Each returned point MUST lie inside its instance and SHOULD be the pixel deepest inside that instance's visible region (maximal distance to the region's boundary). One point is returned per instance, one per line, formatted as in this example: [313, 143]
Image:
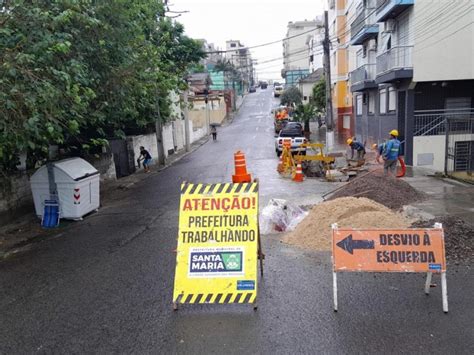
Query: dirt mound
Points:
[390, 192]
[458, 238]
[314, 232]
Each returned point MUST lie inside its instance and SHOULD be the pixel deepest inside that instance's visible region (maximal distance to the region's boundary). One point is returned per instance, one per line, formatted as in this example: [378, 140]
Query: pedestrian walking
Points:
[356, 147]
[214, 133]
[390, 156]
[146, 158]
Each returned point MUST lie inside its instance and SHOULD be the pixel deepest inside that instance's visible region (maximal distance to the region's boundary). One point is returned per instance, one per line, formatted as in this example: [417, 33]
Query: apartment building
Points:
[414, 72]
[241, 58]
[315, 47]
[296, 62]
[339, 35]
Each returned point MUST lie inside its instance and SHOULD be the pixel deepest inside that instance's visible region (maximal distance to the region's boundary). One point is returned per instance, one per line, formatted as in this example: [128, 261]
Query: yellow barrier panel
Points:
[216, 258]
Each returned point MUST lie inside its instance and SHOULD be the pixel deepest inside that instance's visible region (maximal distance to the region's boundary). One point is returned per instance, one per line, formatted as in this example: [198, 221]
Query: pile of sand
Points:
[390, 192]
[314, 232]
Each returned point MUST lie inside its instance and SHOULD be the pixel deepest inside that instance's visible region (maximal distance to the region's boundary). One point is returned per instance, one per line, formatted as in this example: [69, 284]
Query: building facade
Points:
[295, 50]
[241, 58]
[339, 36]
[414, 72]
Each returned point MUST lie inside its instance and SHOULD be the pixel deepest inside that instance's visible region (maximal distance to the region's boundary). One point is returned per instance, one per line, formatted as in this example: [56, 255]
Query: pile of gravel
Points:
[458, 238]
[314, 232]
[388, 191]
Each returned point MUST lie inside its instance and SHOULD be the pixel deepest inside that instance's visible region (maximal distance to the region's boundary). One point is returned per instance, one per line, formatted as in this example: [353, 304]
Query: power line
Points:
[443, 38]
[264, 44]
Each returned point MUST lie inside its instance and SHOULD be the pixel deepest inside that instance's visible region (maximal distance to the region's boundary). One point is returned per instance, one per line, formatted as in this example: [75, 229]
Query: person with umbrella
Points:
[214, 132]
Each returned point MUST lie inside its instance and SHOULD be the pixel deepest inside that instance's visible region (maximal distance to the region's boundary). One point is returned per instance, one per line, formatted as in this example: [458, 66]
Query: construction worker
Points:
[390, 155]
[356, 146]
[379, 149]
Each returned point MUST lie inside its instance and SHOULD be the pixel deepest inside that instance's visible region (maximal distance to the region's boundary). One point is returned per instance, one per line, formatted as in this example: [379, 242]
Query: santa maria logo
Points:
[216, 262]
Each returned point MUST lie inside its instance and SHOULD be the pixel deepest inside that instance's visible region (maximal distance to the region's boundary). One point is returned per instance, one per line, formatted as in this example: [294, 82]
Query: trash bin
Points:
[78, 188]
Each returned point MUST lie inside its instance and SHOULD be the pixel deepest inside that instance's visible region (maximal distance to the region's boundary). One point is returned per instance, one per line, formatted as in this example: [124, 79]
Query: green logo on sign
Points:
[232, 261]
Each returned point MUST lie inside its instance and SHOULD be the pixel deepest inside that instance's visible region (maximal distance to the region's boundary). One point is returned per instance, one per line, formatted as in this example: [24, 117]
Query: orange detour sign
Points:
[397, 250]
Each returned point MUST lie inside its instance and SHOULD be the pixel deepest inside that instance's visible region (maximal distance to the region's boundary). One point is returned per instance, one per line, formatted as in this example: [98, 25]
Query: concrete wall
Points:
[426, 148]
[105, 165]
[423, 146]
[168, 142]
[444, 43]
[15, 194]
[148, 141]
[196, 133]
[217, 108]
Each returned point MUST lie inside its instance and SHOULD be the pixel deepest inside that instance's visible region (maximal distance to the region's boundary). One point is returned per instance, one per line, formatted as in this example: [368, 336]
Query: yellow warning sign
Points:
[216, 258]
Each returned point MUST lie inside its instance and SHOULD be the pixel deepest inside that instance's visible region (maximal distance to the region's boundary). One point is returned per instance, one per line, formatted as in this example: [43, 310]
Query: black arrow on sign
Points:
[349, 244]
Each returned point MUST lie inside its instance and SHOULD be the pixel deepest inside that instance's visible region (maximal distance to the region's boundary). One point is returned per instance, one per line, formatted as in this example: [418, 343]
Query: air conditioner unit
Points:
[389, 25]
[372, 45]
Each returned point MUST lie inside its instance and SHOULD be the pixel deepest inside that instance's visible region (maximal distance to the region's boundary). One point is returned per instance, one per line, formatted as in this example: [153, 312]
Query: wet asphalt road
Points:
[105, 284]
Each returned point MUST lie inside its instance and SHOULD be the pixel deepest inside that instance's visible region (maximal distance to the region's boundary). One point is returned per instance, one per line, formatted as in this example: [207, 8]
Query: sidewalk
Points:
[25, 230]
[445, 196]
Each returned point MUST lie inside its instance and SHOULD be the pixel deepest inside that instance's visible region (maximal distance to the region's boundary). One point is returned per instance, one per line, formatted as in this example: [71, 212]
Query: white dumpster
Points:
[78, 186]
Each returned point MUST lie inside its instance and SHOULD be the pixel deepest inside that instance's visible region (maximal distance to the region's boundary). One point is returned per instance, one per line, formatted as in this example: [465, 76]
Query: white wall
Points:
[148, 141]
[444, 45]
[168, 143]
[437, 146]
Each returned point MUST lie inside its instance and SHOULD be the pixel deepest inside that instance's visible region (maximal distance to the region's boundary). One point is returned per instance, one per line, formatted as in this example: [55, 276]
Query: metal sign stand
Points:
[444, 287]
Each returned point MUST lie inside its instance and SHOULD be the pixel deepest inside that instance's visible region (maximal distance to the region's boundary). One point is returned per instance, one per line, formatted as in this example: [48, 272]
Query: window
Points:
[233, 45]
[383, 100]
[392, 99]
[371, 103]
[359, 105]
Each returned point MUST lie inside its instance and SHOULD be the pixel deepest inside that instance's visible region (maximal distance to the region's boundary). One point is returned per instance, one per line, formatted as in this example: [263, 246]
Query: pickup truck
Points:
[293, 132]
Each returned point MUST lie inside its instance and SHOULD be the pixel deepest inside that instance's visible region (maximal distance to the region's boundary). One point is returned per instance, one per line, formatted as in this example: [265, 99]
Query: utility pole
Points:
[159, 135]
[208, 112]
[186, 121]
[327, 73]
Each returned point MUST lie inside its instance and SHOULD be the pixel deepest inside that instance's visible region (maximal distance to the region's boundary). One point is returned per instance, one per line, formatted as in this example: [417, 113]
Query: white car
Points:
[292, 132]
[277, 91]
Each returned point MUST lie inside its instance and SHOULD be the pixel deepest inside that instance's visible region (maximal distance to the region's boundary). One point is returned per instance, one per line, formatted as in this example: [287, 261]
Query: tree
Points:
[305, 113]
[73, 73]
[318, 97]
[291, 96]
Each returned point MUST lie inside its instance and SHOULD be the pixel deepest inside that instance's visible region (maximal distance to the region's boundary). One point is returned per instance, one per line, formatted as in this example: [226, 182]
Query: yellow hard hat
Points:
[349, 141]
[394, 133]
[374, 146]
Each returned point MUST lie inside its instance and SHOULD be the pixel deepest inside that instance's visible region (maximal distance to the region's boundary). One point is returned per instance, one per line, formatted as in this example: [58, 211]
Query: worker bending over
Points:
[392, 151]
[356, 146]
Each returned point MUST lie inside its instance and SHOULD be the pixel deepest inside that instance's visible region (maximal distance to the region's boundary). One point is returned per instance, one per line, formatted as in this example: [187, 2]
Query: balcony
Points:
[387, 9]
[363, 78]
[364, 27]
[394, 64]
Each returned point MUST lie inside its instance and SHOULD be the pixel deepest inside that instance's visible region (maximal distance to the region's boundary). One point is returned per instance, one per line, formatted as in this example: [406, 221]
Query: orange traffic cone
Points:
[299, 177]
[241, 174]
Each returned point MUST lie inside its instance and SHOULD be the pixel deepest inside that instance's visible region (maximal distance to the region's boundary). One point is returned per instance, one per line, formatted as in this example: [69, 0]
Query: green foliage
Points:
[318, 97]
[305, 113]
[291, 96]
[75, 72]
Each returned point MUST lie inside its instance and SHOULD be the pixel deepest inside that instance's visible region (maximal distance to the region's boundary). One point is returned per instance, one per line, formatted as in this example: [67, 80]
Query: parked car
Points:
[263, 85]
[294, 134]
[277, 91]
[252, 89]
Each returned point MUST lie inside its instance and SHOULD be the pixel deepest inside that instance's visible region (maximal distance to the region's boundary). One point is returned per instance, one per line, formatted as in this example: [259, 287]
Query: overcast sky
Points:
[251, 21]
